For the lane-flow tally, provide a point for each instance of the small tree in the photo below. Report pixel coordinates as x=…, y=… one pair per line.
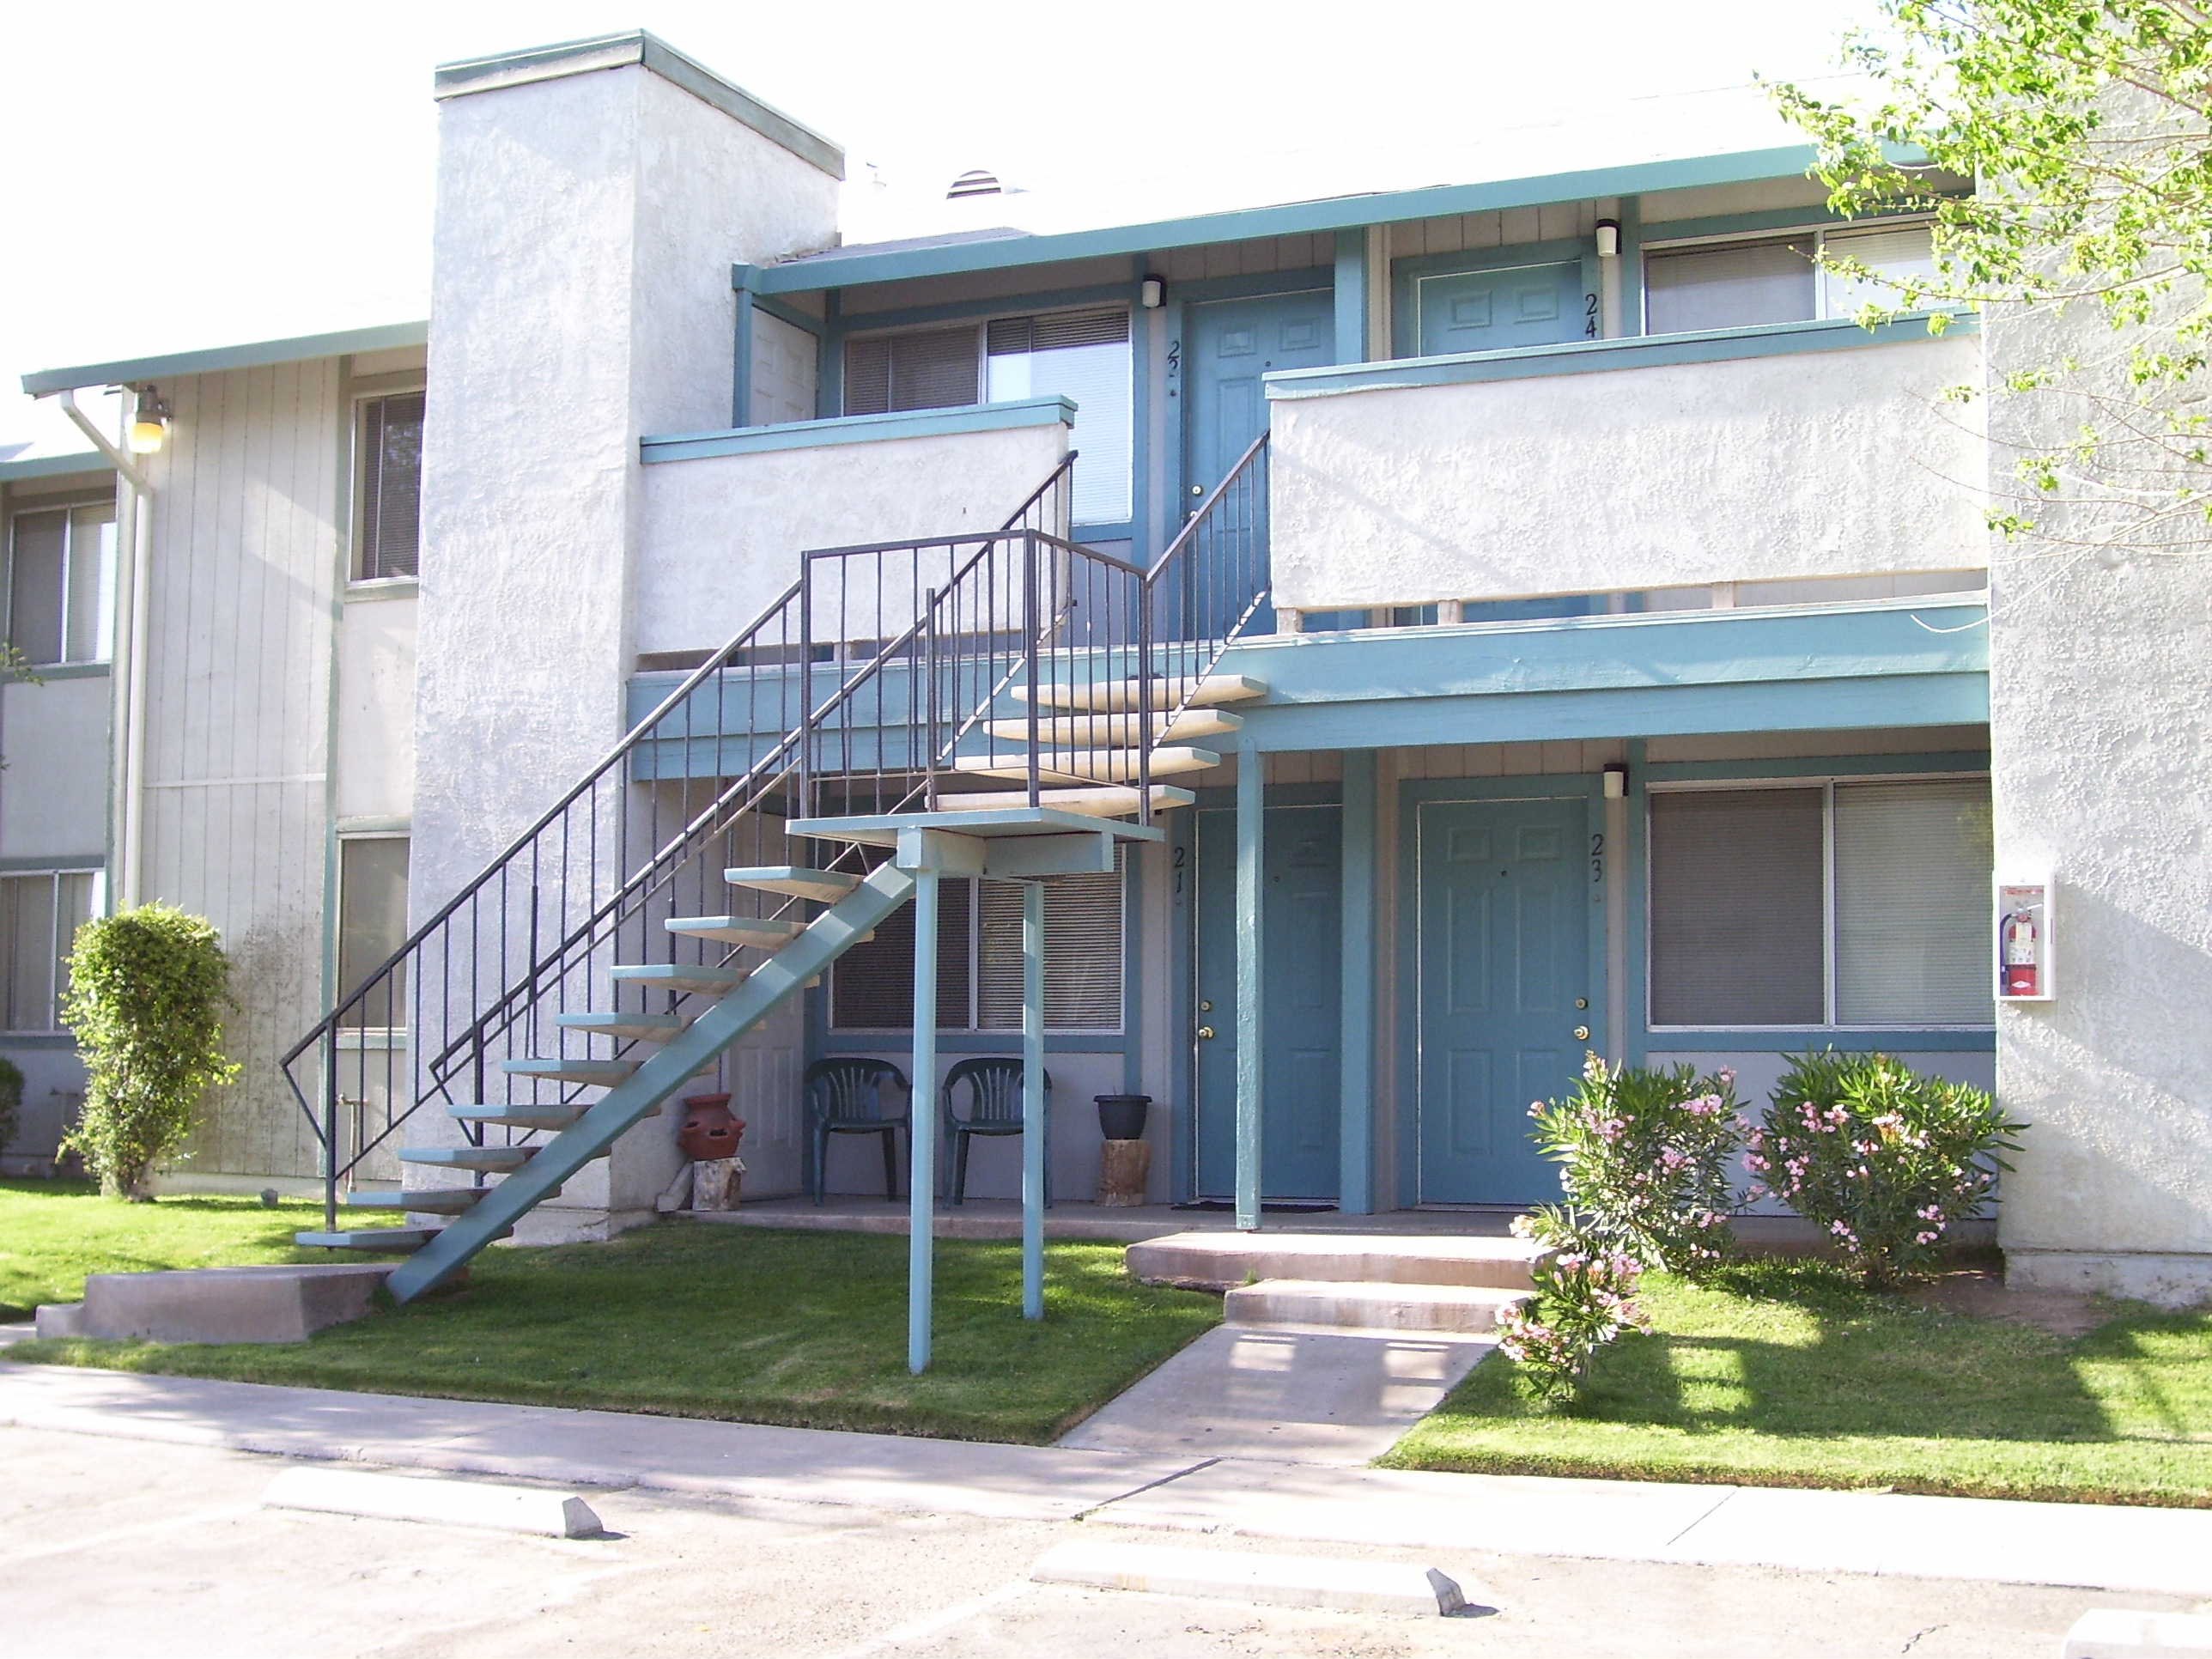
x=147, y=992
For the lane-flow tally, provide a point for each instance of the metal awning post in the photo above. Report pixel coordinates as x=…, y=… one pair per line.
x=1034, y=1137
x=921, y=1134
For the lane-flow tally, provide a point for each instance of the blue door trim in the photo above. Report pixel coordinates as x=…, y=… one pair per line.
x=1413, y=794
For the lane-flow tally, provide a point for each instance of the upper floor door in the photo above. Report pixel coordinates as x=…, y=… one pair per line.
x=1227, y=345
x=1492, y=310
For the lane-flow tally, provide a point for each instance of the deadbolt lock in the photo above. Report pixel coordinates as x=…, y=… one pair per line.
x=1204, y=1007
x=1582, y=1033
x=1582, y=1002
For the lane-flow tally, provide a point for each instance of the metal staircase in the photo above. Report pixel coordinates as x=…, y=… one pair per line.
x=603, y=961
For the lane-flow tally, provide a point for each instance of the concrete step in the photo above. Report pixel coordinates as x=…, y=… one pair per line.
x=1080, y=766
x=642, y=1028
x=370, y=1240
x=1167, y=691
x=794, y=881
x=756, y=931
x=1104, y=801
x=682, y=977
x=1465, y=1309
x=1118, y=731
x=572, y=1069
x=493, y=1160
x=557, y=1116
x=1222, y=1260
x=439, y=1201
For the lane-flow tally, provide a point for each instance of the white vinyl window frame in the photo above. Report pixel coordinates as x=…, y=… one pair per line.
x=56, y=946
x=981, y=327
x=974, y=966
x=1827, y=785
x=1819, y=234
x=364, y=1035
x=68, y=506
x=369, y=391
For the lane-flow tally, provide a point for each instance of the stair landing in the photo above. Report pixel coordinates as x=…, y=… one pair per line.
x=882, y=828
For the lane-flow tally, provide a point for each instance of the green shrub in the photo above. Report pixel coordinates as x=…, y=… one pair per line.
x=1585, y=1298
x=1648, y=1160
x=1882, y=1159
x=147, y=992
x=11, y=1099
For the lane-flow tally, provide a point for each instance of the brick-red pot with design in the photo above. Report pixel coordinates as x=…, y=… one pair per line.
x=708, y=1129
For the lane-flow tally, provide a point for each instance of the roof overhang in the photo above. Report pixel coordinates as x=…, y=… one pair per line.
x=258, y=354
x=54, y=466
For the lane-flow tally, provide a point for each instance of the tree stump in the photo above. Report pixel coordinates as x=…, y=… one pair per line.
x=1123, y=1166
x=715, y=1182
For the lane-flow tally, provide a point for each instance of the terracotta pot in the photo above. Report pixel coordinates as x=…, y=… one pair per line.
x=708, y=1129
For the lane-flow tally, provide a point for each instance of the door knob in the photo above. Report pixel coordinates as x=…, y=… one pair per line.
x=1582, y=1033
x=1198, y=490
x=1206, y=1032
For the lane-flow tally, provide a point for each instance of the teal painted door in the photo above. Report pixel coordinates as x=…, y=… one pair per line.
x=1491, y=310
x=1228, y=344
x=1506, y=889
x=1303, y=919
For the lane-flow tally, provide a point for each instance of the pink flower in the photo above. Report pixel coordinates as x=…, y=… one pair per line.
x=1923, y=1238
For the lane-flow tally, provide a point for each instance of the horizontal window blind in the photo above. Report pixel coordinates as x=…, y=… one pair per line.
x=372, y=925
x=872, y=985
x=39, y=544
x=1913, y=864
x=1737, y=936
x=1895, y=254
x=1084, y=356
x=1082, y=954
x=39, y=915
x=90, y=625
x=1733, y=285
x=390, y=485
x=925, y=369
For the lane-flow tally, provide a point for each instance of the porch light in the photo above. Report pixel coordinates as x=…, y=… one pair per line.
x=1608, y=239
x=1616, y=782
x=1152, y=293
x=150, y=428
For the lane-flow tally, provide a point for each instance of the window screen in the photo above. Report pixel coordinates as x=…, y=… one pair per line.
x=1082, y=954
x=1733, y=285
x=38, y=917
x=372, y=925
x=927, y=368
x=39, y=554
x=61, y=583
x=1908, y=252
x=1913, y=883
x=1083, y=356
x=1737, y=929
x=389, y=482
x=871, y=986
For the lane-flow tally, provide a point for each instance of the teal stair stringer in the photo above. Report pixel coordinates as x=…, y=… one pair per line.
x=827, y=938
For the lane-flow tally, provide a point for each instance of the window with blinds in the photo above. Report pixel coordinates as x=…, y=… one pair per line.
x=39, y=915
x=923, y=369
x=979, y=960
x=1843, y=904
x=1778, y=279
x=1082, y=356
x=61, y=583
x=372, y=925
x=388, y=487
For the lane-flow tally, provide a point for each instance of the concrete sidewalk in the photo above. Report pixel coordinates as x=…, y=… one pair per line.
x=2100, y=1547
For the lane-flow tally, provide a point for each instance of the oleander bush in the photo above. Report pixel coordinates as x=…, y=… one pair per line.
x=1585, y=1298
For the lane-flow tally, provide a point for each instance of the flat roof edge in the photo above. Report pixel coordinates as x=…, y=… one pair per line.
x=258, y=354
x=55, y=466
x=640, y=48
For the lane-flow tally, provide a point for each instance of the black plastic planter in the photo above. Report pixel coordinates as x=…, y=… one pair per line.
x=1122, y=1117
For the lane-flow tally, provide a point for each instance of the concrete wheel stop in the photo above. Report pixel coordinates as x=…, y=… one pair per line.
x=1284, y=1581
x=217, y=1304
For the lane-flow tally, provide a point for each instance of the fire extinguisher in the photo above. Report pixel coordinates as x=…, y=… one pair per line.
x=2020, y=972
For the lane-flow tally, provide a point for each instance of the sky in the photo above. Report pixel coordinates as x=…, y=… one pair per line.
x=185, y=176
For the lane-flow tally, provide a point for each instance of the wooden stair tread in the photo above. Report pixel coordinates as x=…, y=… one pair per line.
x=793, y=881
x=1106, y=801
x=1168, y=690
x=1117, y=730
x=1089, y=765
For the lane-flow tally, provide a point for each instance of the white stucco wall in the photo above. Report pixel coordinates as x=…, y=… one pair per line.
x=375, y=761
x=1834, y=463
x=722, y=535
x=2100, y=724
x=584, y=234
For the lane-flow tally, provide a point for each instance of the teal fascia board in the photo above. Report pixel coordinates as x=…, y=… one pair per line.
x=859, y=430
x=1799, y=1040
x=846, y=269
x=55, y=466
x=259, y=354
x=1598, y=357
x=641, y=49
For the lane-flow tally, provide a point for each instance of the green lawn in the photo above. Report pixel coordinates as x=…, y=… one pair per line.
x=1789, y=1375
x=698, y=1320
x=53, y=1233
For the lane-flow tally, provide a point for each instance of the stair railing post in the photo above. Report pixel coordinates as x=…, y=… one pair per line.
x=1144, y=705
x=1030, y=652
x=933, y=753
x=803, y=777
x=330, y=1127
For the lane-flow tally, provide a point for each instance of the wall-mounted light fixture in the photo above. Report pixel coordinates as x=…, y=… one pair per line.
x=1616, y=782
x=1151, y=293
x=1608, y=239
x=149, y=427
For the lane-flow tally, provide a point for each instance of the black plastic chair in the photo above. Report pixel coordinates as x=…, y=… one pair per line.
x=992, y=1091
x=846, y=1098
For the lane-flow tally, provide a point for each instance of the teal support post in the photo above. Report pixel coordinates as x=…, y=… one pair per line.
x=741, y=374
x=1352, y=296
x=921, y=1192
x=1251, y=958
x=1034, y=1138
x=1355, y=1084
